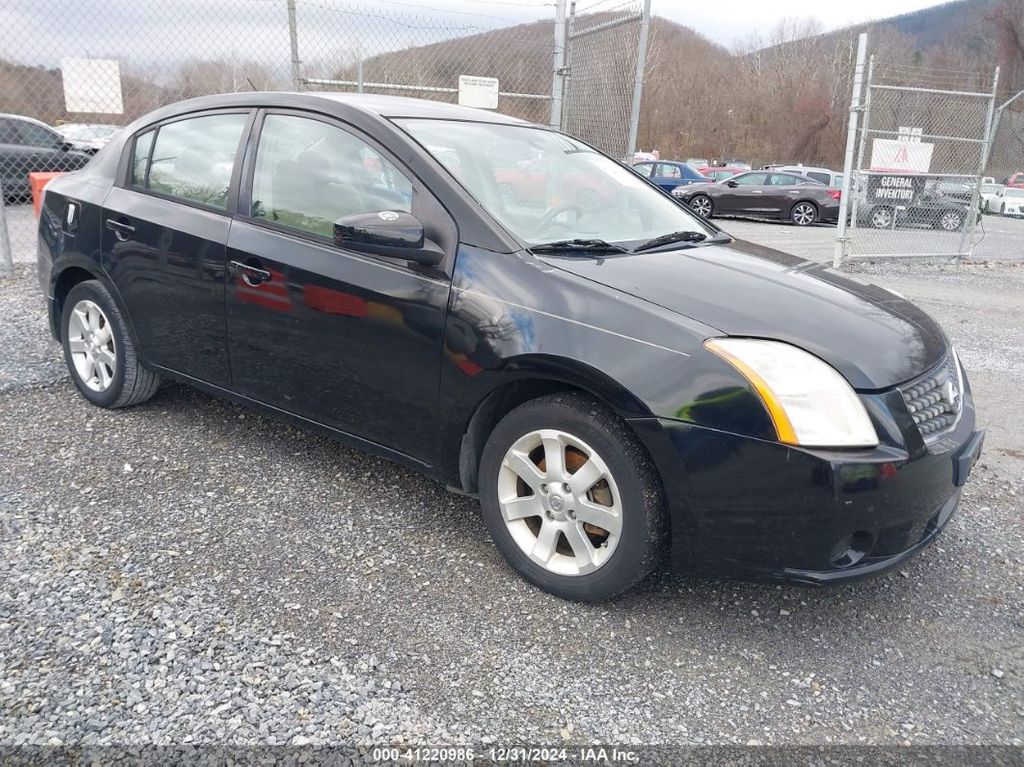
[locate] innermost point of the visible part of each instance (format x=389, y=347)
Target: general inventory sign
x=481, y=92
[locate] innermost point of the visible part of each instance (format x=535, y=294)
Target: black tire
x=131, y=383
x=704, y=202
x=639, y=548
x=809, y=208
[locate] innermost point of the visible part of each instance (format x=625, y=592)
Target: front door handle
x=252, y=275
x=121, y=229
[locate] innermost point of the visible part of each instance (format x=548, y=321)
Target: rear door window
x=669, y=171
x=193, y=158
x=784, y=179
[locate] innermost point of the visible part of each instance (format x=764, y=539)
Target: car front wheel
x=99, y=352
x=702, y=205
x=570, y=498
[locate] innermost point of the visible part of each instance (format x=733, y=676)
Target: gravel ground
x=189, y=572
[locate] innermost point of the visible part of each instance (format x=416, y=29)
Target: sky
x=164, y=32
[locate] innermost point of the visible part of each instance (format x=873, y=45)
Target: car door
x=165, y=228
x=667, y=176
x=743, y=194
x=345, y=339
x=782, y=192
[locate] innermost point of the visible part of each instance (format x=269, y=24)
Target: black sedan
x=29, y=146
x=613, y=383
x=764, y=194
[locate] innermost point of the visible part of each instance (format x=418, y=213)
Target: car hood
x=872, y=336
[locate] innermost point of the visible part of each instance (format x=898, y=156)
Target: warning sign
x=901, y=156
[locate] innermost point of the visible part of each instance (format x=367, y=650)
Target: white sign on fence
x=901, y=156
x=479, y=92
x=92, y=85
x=912, y=135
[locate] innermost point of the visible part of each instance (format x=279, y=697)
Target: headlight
x=678, y=191
x=809, y=402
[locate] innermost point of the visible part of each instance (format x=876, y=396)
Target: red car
x=1016, y=181
x=719, y=173
x=529, y=184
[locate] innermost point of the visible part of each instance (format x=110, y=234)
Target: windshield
x=546, y=187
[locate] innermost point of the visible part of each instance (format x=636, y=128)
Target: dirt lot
x=189, y=571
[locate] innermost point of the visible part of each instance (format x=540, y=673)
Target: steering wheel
x=549, y=218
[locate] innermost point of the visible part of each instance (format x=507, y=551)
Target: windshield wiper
x=671, y=237
x=566, y=246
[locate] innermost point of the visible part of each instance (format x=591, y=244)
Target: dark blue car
x=669, y=175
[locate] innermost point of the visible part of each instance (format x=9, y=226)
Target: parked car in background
x=697, y=162
x=827, y=177
x=30, y=146
x=611, y=386
x=1016, y=180
x=778, y=195
x=989, y=192
x=87, y=137
x=669, y=175
x=932, y=211
x=716, y=173
x=1010, y=201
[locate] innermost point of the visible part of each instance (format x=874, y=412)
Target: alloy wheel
x=92, y=345
x=701, y=205
x=560, y=502
x=803, y=214
x=881, y=218
x=950, y=221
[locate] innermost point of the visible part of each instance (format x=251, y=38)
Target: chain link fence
x=932, y=171
x=606, y=40
x=73, y=71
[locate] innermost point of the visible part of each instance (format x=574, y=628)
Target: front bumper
x=753, y=508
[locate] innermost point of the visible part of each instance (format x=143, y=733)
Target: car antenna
x=250, y=82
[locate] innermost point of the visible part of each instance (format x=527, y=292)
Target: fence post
x=6, y=257
x=861, y=143
x=842, y=242
x=558, y=66
x=638, y=80
x=293, y=39
x=967, y=240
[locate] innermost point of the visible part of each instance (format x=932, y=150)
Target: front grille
x=934, y=400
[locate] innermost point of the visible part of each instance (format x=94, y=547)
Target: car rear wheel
x=98, y=351
x=803, y=214
x=950, y=221
x=702, y=205
x=881, y=218
x=570, y=498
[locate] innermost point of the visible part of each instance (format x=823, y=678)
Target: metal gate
x=916, y=154
x=598, y=88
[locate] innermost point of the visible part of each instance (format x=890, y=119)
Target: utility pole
x=638, y=78
x=842, y=242
x=558, y=66
x=293, y=39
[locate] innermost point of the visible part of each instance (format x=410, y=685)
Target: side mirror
x=732, y=184
x=388, y=233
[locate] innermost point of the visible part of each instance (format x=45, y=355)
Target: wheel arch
x=71, y=273
x=535, y=376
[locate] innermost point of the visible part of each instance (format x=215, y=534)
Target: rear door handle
x=252, y=275
x=121, y=229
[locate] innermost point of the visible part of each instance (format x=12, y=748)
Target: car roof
x=368, y=103
x=34, y=121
